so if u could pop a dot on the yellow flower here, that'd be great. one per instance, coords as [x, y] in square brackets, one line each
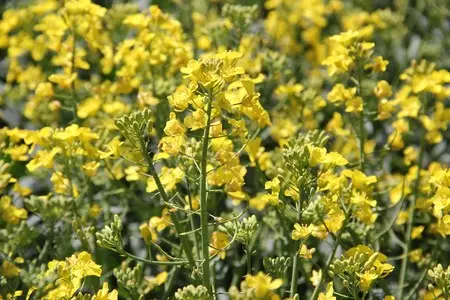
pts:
[90, 168]
[104, 293]
[239, 129]
[219, 240]
[113, 149]
[194, 200]
[378, 65]
[402, 218]
[60, 183]
[21, 190]
[160, 223]
[43, 159]
[9, 213]
[273, 185]
[289, 90]
[136, 20]
[133, 173]
[174, 127]
[346, 38]
[302, 231]
[147, 233]
[395, 140]
[196, 120]
[259, 202]
[9, 270]
[89, 107]
[70, 274]
[316, 155]
[75, 133]
[63, 80]
[152, 282]
[181, 98]
[383, 89]
[417, 232]
[18, 153]
[334, 158]
[172, 145]
[15, 295]
[211, 71]
[316, 277]
[329, 293]
[340, 94]
[306, 253]
[359, 179]
[95, 210]
[169, 178]
[416, 255]
[204, 42]
[373, 266]
[262, 284]
[335, 220]
[385, 109]
[354, 105]
[366, 279]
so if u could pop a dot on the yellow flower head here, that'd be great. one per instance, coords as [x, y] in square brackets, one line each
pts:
[262, 284]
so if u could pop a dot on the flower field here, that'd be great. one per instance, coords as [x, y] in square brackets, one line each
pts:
[224, 149]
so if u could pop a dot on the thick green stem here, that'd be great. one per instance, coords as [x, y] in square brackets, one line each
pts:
[296, 257]
[410, 223]
[204, 201]
[249, 259]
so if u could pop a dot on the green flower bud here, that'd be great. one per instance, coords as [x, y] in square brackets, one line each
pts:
[277, 266]
[110, 237]
[191, 292]
[130, 278]
[135, 127]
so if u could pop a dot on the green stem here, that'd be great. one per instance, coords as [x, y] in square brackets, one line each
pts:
[156, 262]
[410, 223]
[197, 247]
[296, 257]
[204, 201]
[191, 220]
[169, 286]
[249, 260]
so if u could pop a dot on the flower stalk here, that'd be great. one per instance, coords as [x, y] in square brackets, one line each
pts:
[204, 200]
[296, 257]
[410, 223]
